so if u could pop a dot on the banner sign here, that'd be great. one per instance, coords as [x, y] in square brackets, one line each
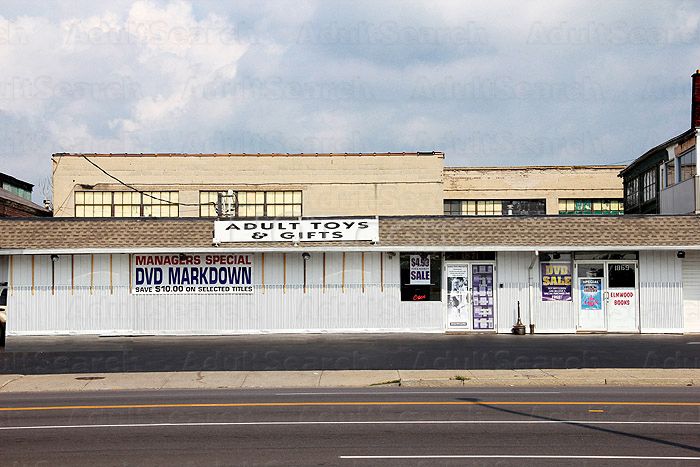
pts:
[458, 312]
[482, 296]
[556, 281]
[591, 293]
[299, 230]
[192, 274]
[419, 269]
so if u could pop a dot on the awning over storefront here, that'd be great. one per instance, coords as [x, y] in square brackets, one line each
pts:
[423, 233]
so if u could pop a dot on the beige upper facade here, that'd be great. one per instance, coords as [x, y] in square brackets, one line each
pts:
[330, 184]
[368, 184]
[549, 183]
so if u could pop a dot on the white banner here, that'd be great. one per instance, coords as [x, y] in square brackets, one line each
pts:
[303, 230]
[419, 269]
[192, 274]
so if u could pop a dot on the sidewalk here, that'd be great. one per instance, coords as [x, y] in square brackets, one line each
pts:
[348, 379]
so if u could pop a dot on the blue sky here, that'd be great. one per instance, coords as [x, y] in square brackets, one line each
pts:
[488, 83]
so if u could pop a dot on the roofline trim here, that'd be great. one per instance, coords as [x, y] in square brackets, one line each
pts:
[366, 248]
[536, 167]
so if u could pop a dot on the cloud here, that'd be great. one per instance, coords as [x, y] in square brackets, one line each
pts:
[489, 83]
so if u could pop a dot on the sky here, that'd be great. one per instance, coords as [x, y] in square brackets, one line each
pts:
[487, 82]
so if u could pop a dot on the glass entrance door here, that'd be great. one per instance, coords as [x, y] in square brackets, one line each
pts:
[590, 278]
[470, 296]
[607, 296]
[621, 297]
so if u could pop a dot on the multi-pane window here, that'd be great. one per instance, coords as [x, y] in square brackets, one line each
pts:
[254, 203]
[649, 185]
[160, 204]
[632, 192]
[518, 207]
[671, 172]
[126, 204]
[26, 194]
[93, 204]
[591, 207]
[688, 163]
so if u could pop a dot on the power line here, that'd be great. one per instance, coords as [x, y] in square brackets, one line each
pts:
[131, 187]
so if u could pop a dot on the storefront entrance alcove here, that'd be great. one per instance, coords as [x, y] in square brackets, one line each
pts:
[607, 293]
[469, 291]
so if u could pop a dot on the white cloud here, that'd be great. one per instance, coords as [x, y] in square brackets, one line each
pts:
[502, 82]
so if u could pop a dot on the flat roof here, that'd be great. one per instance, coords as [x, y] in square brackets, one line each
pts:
[537, 167]
[411, 233]
[243, 154]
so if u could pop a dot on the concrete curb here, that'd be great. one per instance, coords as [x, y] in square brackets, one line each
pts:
[347, 379]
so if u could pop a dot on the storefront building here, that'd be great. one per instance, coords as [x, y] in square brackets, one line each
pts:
[436, 274]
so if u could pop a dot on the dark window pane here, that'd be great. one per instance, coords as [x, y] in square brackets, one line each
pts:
[421, 292]
[621, 276]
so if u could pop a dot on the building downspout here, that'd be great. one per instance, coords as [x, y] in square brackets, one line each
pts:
[531, 291]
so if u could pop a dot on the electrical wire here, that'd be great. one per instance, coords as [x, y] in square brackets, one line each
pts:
[131, 187]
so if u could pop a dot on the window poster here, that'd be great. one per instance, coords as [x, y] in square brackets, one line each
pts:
[482, 296]
[556, 281]
[591, 293]
[419, 272]
[458, 313]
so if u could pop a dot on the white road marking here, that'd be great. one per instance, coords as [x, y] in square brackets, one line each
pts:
[523, 456]
[367, 422]
[693, 343]
[379, 392]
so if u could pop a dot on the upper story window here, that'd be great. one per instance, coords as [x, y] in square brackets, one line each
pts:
[591, 207]
[26, 194]
[126, 204]
[670, 173]
[632, 192]
[93, 204]
[517, 207]
[688, 163]
[649, 185]
[254, 203]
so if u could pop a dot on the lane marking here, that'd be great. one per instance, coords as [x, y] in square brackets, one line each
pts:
[521, 456]
[379, 393]
[596, 411]
[341, 403]
[366, 422]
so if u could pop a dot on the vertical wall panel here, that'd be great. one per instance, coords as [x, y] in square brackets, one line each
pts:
[511, 272]
[660, 292]
[691, 291]
[553, 317]
[101, 310]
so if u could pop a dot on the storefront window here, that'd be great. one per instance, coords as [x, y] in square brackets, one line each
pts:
[601, 255]
[470, 256]
[421, 277]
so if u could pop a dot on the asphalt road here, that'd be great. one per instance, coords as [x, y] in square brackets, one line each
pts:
[27, 355]
[486, 426]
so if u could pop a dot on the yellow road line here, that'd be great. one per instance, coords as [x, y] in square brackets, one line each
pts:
[342, 403]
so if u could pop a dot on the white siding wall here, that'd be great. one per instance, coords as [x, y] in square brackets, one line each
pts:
[553, 317]
[97, 306]
[660, 292]
[511, 271]
[691, 291]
